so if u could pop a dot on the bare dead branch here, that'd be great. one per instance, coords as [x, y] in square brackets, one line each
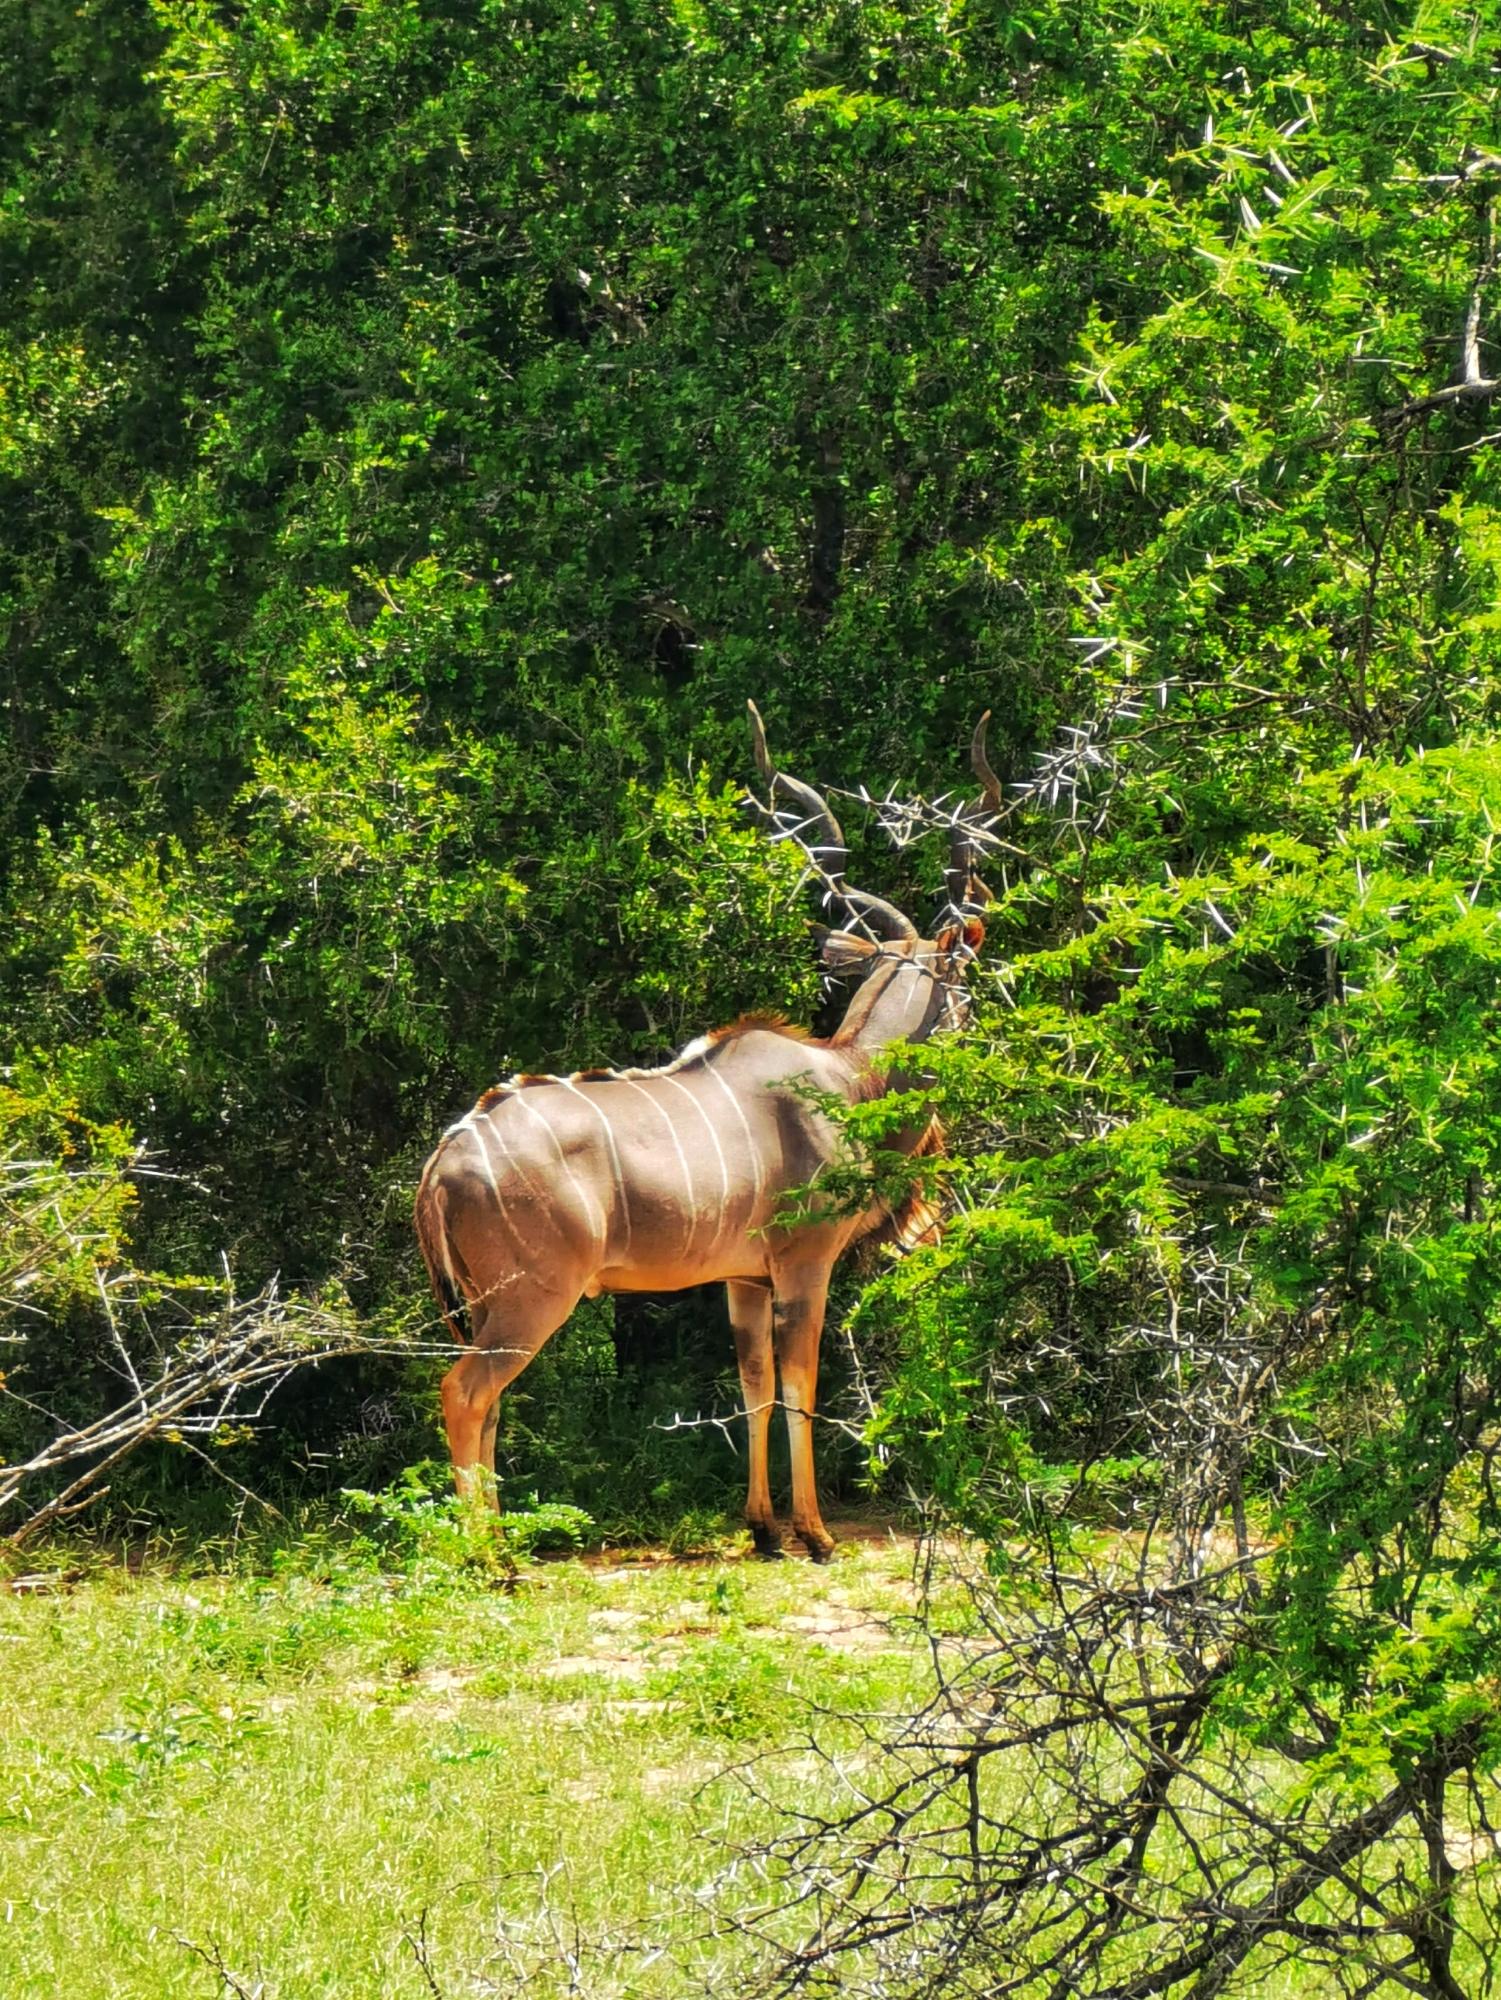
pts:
[186, 1382]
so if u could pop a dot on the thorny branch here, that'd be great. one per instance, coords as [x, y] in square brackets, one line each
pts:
[1082, 1809]
[545, 1945]
[230, 1981]
[1471, 384]
[1100, 1800]
[1063, 1819]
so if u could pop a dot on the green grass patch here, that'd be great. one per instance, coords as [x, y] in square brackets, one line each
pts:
[323, 1769]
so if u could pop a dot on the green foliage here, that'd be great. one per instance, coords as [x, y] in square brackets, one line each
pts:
[422, 1521]
[159, 1735]
[1238, 1130]
[733, 1690]
[1243, 1033]
[420, 429]
[65, 1198]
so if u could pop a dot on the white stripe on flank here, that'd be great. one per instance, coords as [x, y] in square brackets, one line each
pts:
[591, 1208]
[546, 1205]
[677, 1146]
[478, 1131]
[750, 1144]
[600, 1113]
[442, 1208]
[484, 1153]
[724, 1172]
[513, 1165]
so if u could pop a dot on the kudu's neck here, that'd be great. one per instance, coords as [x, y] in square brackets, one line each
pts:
[900, 1001]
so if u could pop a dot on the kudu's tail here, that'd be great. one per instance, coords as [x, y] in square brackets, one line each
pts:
[438, 1255]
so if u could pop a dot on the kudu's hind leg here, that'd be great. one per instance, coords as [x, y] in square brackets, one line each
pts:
[471, 1390]
[801, 1294]
[750, 1316]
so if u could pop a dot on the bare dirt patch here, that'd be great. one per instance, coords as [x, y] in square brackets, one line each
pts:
[842, 1630]
[610, 1666]
[616, 1617]
[657, 1781]
[678, 1780]
[43, 1583]
[589, 1714]
[444, 1680]
[849, 1531]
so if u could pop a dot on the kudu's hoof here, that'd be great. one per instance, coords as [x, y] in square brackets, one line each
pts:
[820, 1547]
[768, 1543]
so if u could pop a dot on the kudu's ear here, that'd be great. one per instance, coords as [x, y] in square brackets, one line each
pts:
[842, 951]
[971, 933]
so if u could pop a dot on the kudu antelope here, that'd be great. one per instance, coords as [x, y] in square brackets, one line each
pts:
[556, 1188]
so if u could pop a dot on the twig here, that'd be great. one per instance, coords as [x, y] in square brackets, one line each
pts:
[212, 1955]
[1472, 386]
[416, 1943]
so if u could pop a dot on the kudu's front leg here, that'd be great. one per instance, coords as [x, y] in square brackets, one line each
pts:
[801, 1295]
[750, 1316]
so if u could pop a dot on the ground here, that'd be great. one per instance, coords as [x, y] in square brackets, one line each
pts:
[329, 1776]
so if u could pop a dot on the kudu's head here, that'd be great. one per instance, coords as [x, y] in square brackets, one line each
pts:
[911, 986]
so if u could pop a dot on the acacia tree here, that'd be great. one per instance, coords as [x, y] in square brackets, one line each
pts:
[1208, 1359]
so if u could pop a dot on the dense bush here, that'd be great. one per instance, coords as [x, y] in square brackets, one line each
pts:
[422, 427]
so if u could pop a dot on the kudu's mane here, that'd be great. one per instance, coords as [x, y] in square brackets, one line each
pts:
[918, 1220]
[766, 1024]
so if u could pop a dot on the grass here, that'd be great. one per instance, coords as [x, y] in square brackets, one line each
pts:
[362, 1767]
[329, 1776]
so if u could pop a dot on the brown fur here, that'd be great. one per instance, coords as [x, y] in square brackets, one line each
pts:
[505, 1281]
[917, 1222]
